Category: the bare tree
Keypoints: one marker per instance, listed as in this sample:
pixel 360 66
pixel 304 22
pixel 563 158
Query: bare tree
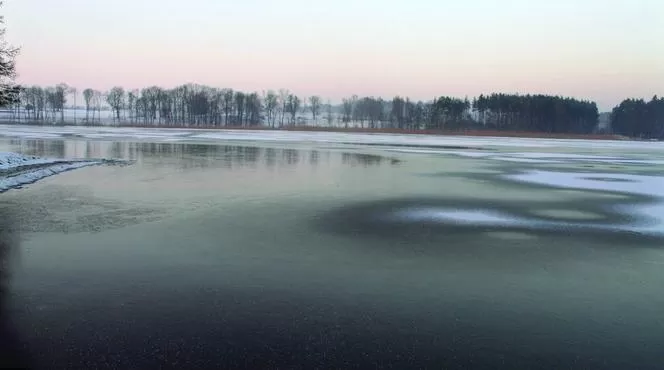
pixel 88 95
pixel 399 111
pixel 73 91
pixel 227 104
pixel 239 107
pixel 216 98
pixel 354 103
pixel 115 98
pixel 293 107
pixel 304 108
pixel 61 91
pixel 254 108
pixel 329 113
pixel 271 106
pixel 98 98
pixel 283 102
pixel 165 106
pixel 36 103
pixel 131 102
pixel 16 104
pixel 151 100
pixel 8 90
pixel 315 105
pixel 200 106
pixel 347 110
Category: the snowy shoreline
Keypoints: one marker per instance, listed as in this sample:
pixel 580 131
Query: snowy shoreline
pixel 17 170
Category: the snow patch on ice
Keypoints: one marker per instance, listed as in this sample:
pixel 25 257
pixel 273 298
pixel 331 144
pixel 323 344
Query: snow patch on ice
pixel 524 160
pixel 534 157
pixel 650 186
pixel 11 160
pixel 624 183
pixel 44 167
pixel 540 155
pixel 647 218
pixel 470 217
pixel 33 176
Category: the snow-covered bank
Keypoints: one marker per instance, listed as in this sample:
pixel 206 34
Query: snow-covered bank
pixel 10 161
pixel 17 170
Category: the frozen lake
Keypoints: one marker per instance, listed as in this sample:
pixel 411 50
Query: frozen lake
pixel 237 249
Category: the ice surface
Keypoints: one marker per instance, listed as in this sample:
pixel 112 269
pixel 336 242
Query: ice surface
pixel 170 135
pixel 544 151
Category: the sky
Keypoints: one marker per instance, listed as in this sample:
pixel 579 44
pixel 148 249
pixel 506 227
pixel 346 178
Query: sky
pixel 601 50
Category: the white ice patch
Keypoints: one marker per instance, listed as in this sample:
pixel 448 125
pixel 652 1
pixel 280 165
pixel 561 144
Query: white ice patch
pixel 649 217
pixel 650 186
pixel 467 217
pixel 614 182
pixel 469 154
pixel 534 157
pixel 524 160
pixel 539 155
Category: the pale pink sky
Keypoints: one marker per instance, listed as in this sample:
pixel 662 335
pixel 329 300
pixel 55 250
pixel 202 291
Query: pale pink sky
pixel 603 50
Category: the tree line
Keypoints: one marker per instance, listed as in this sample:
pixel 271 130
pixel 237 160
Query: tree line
pixel 194 105
pixel 638 118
